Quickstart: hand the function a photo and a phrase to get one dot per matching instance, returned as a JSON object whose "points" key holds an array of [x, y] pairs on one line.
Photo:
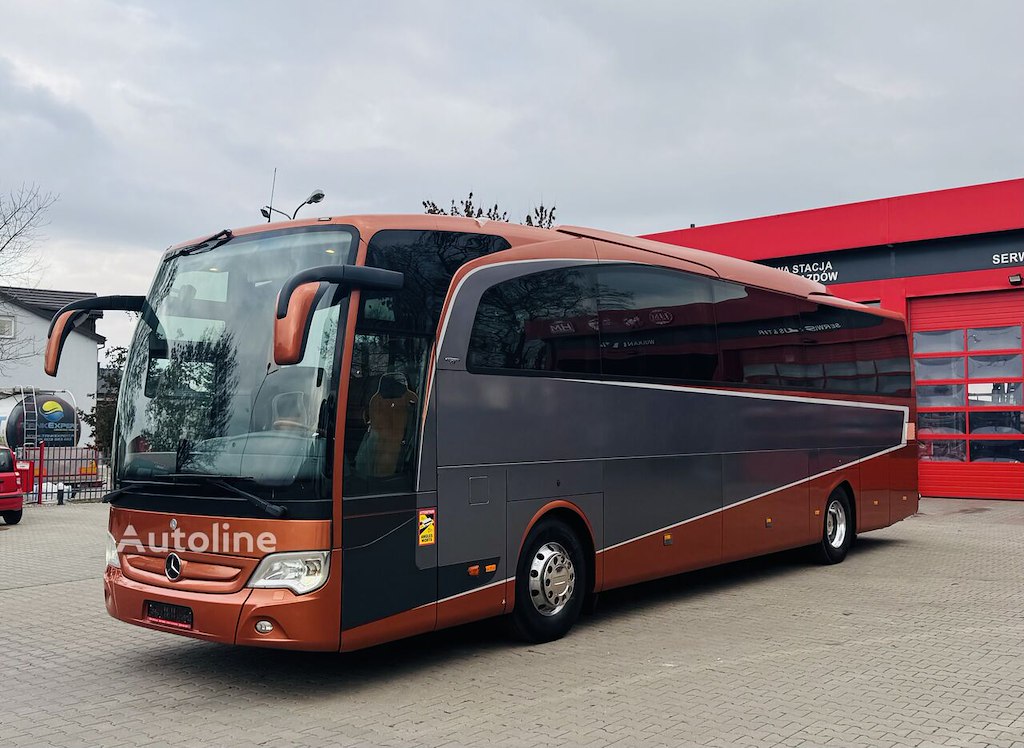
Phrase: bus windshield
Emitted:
{"points": [[201, 394]]}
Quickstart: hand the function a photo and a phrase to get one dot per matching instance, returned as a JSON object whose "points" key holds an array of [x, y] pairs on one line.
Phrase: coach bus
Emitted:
{"points": [[337, 432]]}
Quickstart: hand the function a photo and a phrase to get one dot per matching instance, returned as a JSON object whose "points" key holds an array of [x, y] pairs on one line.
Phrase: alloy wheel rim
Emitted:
{"points": [[552, 578], [835, 524]]}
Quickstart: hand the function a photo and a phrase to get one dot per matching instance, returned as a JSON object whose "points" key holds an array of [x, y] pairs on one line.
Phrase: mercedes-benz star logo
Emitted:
{"points": [[172, 566]]}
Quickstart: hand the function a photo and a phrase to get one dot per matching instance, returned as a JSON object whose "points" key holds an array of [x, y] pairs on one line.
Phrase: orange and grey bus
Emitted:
{"points": [[333, 433]]}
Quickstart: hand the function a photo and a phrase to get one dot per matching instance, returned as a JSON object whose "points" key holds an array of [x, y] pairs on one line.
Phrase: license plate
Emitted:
{"points": [[177, 616]]}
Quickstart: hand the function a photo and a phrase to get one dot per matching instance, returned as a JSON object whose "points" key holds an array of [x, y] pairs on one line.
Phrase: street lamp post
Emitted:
{"points": [[314, 197]]}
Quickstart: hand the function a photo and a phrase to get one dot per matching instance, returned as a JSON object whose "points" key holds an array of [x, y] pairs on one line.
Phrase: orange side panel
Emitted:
{"points": [[407, 623], [771, 523], [873, 496], [694, 545], [473, 606], [903, 488]]}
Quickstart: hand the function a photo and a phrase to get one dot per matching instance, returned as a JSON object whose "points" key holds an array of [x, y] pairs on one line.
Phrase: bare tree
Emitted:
{"points": [[541, 216], [22, 217]]}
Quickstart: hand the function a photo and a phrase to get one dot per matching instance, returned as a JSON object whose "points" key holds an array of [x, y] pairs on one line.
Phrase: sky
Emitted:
{"points": [[159, 122]]}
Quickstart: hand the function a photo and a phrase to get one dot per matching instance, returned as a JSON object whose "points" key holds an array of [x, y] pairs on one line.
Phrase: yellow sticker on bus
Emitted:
{"points": [[427, 527]]}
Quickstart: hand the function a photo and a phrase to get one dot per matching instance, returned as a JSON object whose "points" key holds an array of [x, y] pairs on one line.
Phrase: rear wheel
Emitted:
{"points": [[837, 530], [13, 517], [550, 583]]}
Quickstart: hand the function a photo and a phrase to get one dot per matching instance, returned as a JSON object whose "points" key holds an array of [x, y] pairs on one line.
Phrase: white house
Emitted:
{"points": [[25, 315]]}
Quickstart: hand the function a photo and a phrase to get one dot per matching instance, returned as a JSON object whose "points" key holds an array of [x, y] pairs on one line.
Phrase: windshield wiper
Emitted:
{"points": [[113, 495], [274, 510], [209, 243]]}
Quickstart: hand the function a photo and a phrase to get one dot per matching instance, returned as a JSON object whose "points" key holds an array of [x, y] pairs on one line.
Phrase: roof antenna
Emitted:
{"points": [[273, 184]]}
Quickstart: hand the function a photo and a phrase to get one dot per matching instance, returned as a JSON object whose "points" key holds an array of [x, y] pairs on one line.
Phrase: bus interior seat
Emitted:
{"points": [[389, 416], [290, 412]]}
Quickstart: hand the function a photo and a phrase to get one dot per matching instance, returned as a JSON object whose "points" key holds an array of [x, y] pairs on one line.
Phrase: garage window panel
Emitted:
{"points": [[942, 450], [997, 450], [994, 338], [942, 422], [996, 422], [941, 396], [992, 394], [990, 367], [932, 369], [938, 341]]}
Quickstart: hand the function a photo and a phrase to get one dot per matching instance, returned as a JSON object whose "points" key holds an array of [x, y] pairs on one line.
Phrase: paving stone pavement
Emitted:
{"points": [[917, 639]]}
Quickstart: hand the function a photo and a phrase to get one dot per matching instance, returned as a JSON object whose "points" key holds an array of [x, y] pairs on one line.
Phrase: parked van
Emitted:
{"points": [[11, 499]]}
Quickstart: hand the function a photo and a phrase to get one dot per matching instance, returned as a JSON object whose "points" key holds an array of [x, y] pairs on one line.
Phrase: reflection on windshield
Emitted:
{"points": [[201, 393]]}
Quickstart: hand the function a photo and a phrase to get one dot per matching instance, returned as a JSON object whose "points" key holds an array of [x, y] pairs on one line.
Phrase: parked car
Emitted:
{"points": [[11, 498]]}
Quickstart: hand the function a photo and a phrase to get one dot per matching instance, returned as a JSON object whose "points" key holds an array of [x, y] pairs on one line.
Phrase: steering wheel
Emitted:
{"points": [[288, 424]]}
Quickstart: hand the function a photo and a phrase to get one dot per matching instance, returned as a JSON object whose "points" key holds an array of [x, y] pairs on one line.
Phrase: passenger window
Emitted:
{"points": [[391, 350], [856, 351], [656, 324], [774, 340], [544, 322], [760, 337]]}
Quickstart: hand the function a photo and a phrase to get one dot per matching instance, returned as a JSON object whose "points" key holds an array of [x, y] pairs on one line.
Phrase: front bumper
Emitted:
{"points": [[308, 622]]}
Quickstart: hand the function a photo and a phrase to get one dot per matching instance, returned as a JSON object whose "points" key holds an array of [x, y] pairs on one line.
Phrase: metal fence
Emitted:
{"points": [[61, 474]]}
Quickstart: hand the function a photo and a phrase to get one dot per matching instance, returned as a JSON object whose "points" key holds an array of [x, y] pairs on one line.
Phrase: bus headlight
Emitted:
{"points": [[298, 571], [112, 559]]}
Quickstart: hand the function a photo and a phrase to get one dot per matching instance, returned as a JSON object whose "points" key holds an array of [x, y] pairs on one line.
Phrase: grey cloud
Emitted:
{"points": [[635, 117]]}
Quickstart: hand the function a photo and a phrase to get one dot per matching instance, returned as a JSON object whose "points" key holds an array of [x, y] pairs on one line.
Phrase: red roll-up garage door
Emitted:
{"points": [[969, 367]]}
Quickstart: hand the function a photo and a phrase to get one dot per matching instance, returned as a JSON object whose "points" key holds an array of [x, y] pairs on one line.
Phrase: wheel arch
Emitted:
{"points": [[572, 516]]}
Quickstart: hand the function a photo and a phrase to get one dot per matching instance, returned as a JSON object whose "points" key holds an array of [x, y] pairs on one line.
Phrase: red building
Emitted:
{"points": [[952, 261]]}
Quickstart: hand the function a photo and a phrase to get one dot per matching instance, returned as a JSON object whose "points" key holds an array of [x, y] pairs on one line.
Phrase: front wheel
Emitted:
{"points": [[13, 517], [550, 583], [837, 530]]}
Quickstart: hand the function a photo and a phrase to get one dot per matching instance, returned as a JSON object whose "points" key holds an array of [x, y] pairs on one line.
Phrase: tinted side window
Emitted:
{"points": [[542, 322], [656, 324], [851, 351], [429, 260], [760, 337], [773, 340], [6, 462]]}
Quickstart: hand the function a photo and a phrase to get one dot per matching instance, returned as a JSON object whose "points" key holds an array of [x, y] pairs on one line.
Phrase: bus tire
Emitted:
{"points": [[13, 517], [550, 583], [837, 529]]}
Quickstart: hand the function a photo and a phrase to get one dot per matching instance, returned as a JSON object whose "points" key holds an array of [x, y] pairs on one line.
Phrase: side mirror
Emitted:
{"points": [[292, 331], [73, 314], [302, 292]]}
